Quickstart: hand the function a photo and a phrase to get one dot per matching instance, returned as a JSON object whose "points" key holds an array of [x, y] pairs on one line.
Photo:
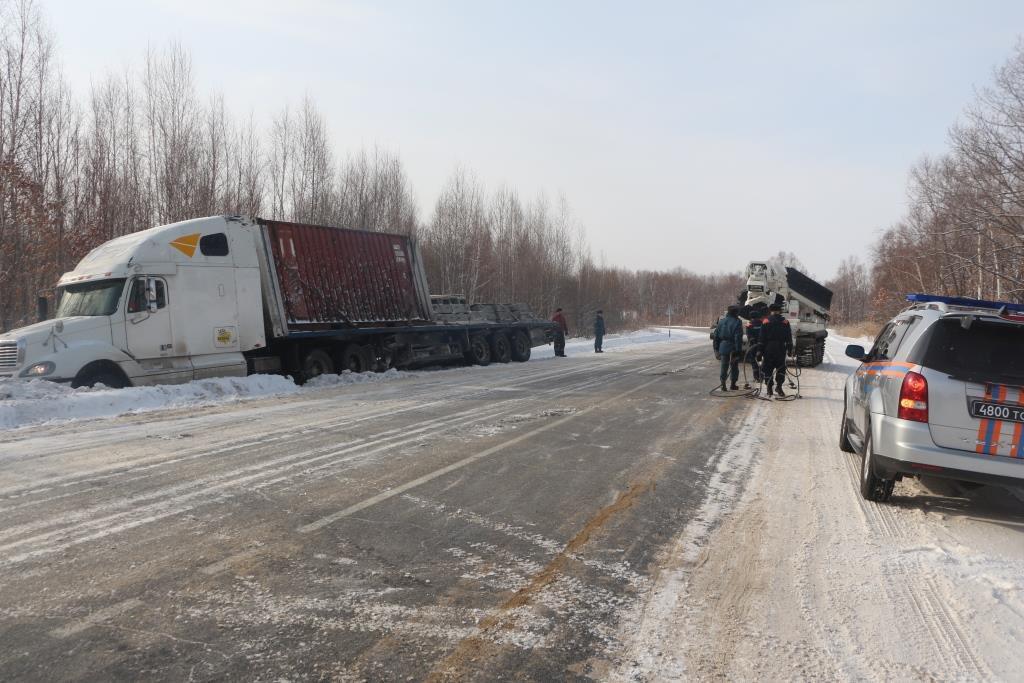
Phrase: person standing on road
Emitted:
{"points": [[728, 343], [776, 344], [754, 346], [598, 331], [560, 332]]}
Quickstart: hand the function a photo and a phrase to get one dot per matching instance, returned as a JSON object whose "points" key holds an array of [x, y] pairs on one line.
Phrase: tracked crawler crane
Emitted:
{"points": [[805, 303]]}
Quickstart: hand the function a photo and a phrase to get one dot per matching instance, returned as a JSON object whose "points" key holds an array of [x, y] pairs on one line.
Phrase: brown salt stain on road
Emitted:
{"points": [[474, 647]]}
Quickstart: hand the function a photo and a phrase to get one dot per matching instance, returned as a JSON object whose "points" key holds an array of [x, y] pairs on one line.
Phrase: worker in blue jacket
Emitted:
{"points": [[728, 343]]}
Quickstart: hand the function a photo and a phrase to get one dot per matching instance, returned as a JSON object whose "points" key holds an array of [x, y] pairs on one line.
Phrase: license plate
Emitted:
{"points": [[997, 411]]}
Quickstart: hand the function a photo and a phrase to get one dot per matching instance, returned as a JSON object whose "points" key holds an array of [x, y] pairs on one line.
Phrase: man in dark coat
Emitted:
{"points": [[560, 332], [754, 346], [598, 331], [728, 343], [776, 343]]}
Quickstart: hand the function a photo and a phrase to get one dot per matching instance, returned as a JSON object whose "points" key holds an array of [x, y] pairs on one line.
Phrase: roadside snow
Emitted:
{"points": [[802, 579], [34, 402]]}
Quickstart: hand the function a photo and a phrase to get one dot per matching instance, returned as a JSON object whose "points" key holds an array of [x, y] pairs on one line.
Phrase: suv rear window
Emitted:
{"points": [[987, 352]]}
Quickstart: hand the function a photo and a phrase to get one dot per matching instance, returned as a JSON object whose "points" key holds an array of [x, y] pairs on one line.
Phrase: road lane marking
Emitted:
{"points": [[398, 490], [95, 618], [218, 567]]}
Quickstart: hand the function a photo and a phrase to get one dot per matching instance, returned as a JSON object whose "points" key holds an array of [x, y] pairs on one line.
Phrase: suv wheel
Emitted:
{"points": [[873, 487], [844, 432]]}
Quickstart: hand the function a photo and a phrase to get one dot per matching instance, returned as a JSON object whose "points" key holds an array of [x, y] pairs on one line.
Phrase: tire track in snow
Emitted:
{"points": [[918, 591]]}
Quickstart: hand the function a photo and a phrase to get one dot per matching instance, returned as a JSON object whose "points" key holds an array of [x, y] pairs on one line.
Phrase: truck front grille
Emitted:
{"points": [[8, 355]]}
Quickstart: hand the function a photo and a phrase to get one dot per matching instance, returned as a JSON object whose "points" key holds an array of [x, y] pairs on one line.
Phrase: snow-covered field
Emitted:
{"points": [[35, 402], [804, 580]]}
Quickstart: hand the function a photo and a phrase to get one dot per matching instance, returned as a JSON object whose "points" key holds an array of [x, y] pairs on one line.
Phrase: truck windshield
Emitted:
{"points": [[90, 298]]}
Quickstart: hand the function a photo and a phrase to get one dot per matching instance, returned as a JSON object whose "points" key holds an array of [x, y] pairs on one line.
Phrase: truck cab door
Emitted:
{"points": [[149, 335]]}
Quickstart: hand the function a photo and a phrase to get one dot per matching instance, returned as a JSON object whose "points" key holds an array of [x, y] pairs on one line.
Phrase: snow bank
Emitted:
{"points": [[347, 378], [33, 402]]}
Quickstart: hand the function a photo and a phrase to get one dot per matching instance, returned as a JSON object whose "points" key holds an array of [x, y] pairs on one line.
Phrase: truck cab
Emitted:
{"points": [[166, 305]]}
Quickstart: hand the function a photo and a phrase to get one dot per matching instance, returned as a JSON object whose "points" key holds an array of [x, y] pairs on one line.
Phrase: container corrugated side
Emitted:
{"points": [[332, 277]]}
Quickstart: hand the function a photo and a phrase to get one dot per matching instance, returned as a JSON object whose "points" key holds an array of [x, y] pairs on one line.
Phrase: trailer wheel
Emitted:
{"points": [[479, 351], [501, 349], [355, 358], [520, 347], [317, 362]]}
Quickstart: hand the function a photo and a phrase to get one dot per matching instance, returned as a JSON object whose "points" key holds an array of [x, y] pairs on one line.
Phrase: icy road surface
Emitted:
{"points": [[595, 517]]}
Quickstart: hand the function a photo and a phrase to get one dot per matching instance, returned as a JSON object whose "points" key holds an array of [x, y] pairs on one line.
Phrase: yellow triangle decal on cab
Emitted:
{"points": [[186, 244]]}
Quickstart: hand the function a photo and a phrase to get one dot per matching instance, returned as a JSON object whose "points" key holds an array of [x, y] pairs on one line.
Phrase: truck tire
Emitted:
{"points": [[520, 347], [315, 363], [479, 351], [873, 487], [91, 375], [355, 358], [501, 349]]}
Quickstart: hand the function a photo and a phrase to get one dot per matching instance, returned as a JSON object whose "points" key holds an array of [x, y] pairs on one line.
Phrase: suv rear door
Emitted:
{"points": [[981, 362]]}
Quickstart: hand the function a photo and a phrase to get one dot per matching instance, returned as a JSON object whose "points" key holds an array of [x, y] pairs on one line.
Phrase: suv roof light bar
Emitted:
{"points": [[1002, 307]]}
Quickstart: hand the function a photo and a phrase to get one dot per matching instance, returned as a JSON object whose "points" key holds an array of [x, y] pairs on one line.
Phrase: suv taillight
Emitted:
{"points": [[914, 398]]}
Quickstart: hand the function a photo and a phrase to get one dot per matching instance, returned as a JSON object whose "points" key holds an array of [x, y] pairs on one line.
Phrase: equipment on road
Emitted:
{"points": [[751, 391], [229, 296], [805, 304]]}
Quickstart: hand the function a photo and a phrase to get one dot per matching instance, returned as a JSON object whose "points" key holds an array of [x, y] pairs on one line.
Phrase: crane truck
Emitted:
{"points": [[805, 303], [230, 296]]}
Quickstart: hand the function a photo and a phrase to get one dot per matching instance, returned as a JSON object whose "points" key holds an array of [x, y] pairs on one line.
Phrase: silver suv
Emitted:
{"points": [[940, 393]]}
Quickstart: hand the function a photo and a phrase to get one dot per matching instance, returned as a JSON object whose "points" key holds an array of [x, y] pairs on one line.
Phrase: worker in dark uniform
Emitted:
{"points": [[776, 343], [754, 347], [598, 332], [728, 343], [560, 332]]}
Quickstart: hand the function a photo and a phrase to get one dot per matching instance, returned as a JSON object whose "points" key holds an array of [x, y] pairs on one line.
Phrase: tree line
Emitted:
{"points": [[963, 233], [145, 147]]}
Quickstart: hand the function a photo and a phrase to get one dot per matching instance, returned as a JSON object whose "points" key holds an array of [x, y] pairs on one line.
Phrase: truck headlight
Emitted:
{"points": [[39, 369]]}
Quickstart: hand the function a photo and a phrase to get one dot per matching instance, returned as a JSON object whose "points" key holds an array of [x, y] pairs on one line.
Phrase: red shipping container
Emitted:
{"points": [[336, 277]]}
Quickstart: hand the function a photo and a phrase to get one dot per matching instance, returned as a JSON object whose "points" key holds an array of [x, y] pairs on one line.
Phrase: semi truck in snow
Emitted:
{"points": [[231, 296], [805, 303]]}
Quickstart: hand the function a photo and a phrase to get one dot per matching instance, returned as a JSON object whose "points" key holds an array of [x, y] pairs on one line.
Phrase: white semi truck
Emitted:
{"points": [[805, 303], [229, 296]]}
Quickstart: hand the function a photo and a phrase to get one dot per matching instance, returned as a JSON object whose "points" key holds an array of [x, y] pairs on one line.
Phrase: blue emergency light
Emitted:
{"points": [[964, 301]]}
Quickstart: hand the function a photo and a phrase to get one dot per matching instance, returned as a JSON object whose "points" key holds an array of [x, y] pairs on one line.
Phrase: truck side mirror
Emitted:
{"points": [[42, 308], [856, 352]]}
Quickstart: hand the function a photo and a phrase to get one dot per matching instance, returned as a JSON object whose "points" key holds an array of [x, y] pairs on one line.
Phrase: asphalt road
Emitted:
{"points": [[477, 523]]}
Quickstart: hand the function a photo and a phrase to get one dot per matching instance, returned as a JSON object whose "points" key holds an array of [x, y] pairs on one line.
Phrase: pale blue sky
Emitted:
{"points": [[700, 135]]}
